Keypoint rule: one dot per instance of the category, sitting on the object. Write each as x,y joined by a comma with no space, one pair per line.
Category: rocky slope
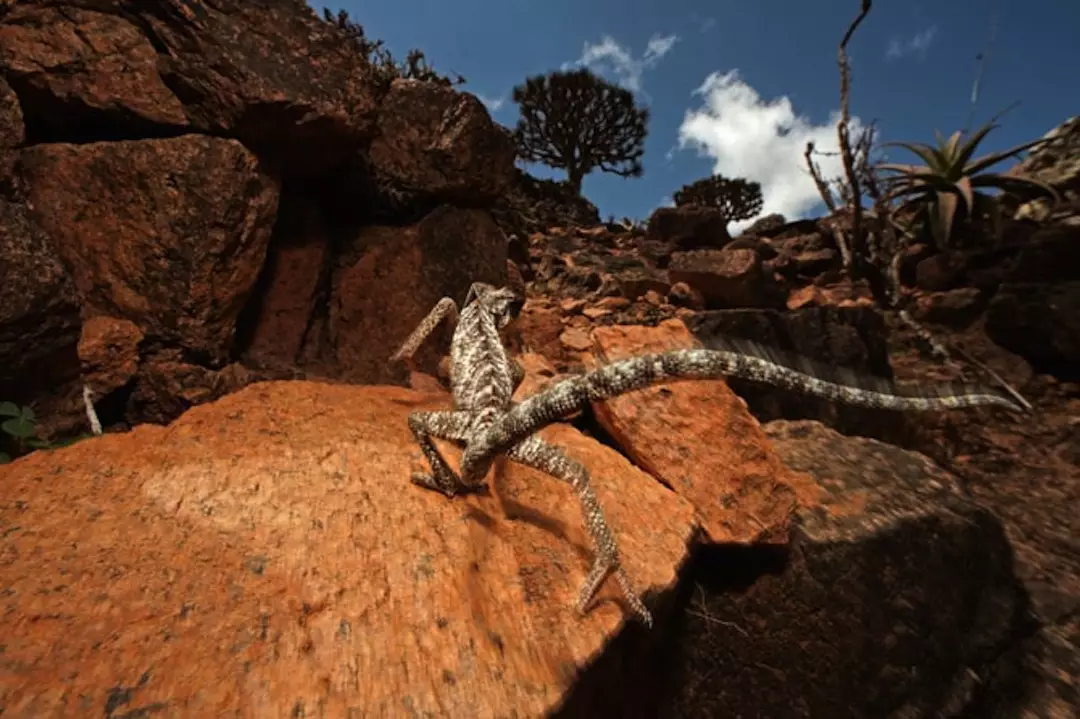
206,206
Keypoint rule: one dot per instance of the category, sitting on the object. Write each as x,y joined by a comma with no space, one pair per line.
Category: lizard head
503,303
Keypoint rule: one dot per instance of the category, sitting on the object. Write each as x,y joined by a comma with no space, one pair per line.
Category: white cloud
493,103
608,56
916,45
760,140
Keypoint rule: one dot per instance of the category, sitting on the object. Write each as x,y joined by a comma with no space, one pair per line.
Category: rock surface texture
207,205
231,178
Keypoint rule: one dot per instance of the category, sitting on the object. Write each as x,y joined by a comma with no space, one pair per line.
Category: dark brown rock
726,278
896,598
953,308
12,132
835,338
440,143
766,225
940,272
635,282
689,227
910,257
268,72
1051,254
39,311
683,295
296,267
166,386
532,205
169,234
390,277
1039,322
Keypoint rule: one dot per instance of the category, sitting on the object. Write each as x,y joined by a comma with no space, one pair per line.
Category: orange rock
266,555
699,439
539,373
576,339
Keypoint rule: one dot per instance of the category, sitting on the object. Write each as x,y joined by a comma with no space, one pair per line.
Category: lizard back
480,374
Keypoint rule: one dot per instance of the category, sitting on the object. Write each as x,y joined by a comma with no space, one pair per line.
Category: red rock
699,439
169,234
12,132
440,142
266,555
109,351
39,311
101,61
166,386
294,267
276,76
539,327
389,278
728,278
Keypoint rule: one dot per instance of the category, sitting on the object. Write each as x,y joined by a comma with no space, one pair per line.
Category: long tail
569,395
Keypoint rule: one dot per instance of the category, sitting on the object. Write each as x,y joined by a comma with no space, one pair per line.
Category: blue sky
737,87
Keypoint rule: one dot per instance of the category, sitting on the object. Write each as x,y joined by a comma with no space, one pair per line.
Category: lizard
485,419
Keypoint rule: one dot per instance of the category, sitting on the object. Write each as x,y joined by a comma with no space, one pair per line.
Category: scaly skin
489,424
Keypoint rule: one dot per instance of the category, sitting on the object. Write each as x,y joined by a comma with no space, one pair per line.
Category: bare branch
843,129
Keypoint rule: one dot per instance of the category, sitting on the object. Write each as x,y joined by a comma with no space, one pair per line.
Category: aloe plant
946,187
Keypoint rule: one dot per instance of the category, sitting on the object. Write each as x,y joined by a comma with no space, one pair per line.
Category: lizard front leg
444,309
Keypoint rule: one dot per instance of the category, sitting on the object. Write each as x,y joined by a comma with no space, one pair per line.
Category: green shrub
18,433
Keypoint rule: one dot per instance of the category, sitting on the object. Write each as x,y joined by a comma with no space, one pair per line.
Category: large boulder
169,234
267,72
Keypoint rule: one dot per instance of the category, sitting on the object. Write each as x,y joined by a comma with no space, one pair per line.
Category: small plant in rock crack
19,428
18,433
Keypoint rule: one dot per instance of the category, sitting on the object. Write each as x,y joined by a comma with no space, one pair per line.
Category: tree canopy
737,198
577,121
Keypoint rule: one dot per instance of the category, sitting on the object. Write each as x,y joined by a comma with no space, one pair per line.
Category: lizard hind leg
450,425
538,454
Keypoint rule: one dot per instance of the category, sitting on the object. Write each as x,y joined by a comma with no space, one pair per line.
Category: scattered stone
726,278
576,339
683,295
689,227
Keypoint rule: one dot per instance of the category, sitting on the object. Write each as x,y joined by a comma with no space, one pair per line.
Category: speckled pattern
484,418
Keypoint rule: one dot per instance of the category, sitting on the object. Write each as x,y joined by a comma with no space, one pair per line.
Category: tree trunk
574,178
